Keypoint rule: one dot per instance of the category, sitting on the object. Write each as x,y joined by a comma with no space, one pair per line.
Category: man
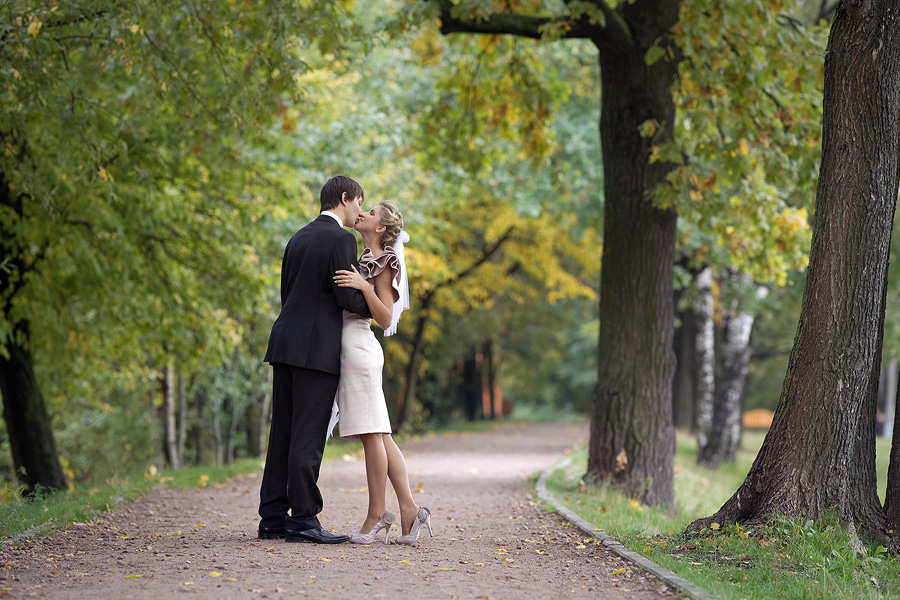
305,353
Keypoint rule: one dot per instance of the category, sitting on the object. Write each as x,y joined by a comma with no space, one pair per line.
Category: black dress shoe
316,535
271,533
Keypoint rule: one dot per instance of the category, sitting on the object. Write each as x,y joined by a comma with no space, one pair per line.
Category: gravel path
491,539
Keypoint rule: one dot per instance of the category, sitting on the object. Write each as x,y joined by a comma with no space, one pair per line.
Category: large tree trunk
704,359
819,455
632,438
28,424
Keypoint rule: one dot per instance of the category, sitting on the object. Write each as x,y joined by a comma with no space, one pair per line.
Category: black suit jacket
307,333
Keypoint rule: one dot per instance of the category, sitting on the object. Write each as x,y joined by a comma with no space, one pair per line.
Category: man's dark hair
334,188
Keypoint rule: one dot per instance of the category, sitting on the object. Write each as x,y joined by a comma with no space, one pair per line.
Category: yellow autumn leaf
214,574
714,526
618,571
323,558
187,583
134,576
34,28
443,569
203,480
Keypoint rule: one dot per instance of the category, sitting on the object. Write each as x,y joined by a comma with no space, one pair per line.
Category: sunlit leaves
749,100
139,137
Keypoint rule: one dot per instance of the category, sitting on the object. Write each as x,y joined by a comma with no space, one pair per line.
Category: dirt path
491,540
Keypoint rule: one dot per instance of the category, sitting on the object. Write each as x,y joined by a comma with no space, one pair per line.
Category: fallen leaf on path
187,583
133,576
444,569
323,558
619,571
214,574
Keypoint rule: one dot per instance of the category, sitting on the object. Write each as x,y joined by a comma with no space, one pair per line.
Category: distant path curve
492,540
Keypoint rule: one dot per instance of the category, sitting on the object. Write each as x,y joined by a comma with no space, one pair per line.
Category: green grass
786,559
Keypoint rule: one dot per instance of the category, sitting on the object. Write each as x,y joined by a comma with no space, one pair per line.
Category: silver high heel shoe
385,522
424,517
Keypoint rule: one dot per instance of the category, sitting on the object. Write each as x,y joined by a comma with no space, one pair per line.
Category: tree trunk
704,359
196,434
182,414
890,399
734,357
892,493
169,423
265,417
471,388
683,385
217,432
632,440
28,424
819,455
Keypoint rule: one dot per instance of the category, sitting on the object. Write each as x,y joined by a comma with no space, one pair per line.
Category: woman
363,411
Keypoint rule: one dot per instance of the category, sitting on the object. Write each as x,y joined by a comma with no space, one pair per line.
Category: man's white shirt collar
333,216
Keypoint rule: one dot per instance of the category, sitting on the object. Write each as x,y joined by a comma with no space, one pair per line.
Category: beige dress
360,396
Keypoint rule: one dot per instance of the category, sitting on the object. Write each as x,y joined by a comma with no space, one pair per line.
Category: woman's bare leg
376,478
396,471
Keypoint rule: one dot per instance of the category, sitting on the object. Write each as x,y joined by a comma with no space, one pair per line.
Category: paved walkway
492,539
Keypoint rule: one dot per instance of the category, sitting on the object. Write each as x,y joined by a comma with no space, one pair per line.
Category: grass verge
786,559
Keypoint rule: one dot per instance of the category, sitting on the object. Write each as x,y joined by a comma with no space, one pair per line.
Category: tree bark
704,359
170,430
733,357
28,424
182,414
683,386
632,440
819,455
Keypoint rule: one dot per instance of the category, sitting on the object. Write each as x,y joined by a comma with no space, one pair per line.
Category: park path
492,539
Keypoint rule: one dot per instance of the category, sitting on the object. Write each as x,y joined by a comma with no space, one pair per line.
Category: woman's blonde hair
392,221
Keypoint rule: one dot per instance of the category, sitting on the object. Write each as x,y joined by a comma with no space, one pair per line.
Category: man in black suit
305,353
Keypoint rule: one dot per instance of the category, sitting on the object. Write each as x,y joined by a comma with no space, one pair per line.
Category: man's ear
344,199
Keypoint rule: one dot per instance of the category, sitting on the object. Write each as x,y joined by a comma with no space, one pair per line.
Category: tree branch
614,30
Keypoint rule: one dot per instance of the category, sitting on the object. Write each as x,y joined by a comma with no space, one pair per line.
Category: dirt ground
492,540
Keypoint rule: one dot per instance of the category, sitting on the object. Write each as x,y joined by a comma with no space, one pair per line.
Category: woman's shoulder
373,265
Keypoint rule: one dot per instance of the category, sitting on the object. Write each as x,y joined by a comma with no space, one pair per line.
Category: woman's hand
350,279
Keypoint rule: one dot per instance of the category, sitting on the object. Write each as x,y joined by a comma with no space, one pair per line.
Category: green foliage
148,206
749,101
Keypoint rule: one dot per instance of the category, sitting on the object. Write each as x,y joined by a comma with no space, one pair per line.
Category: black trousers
301,408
